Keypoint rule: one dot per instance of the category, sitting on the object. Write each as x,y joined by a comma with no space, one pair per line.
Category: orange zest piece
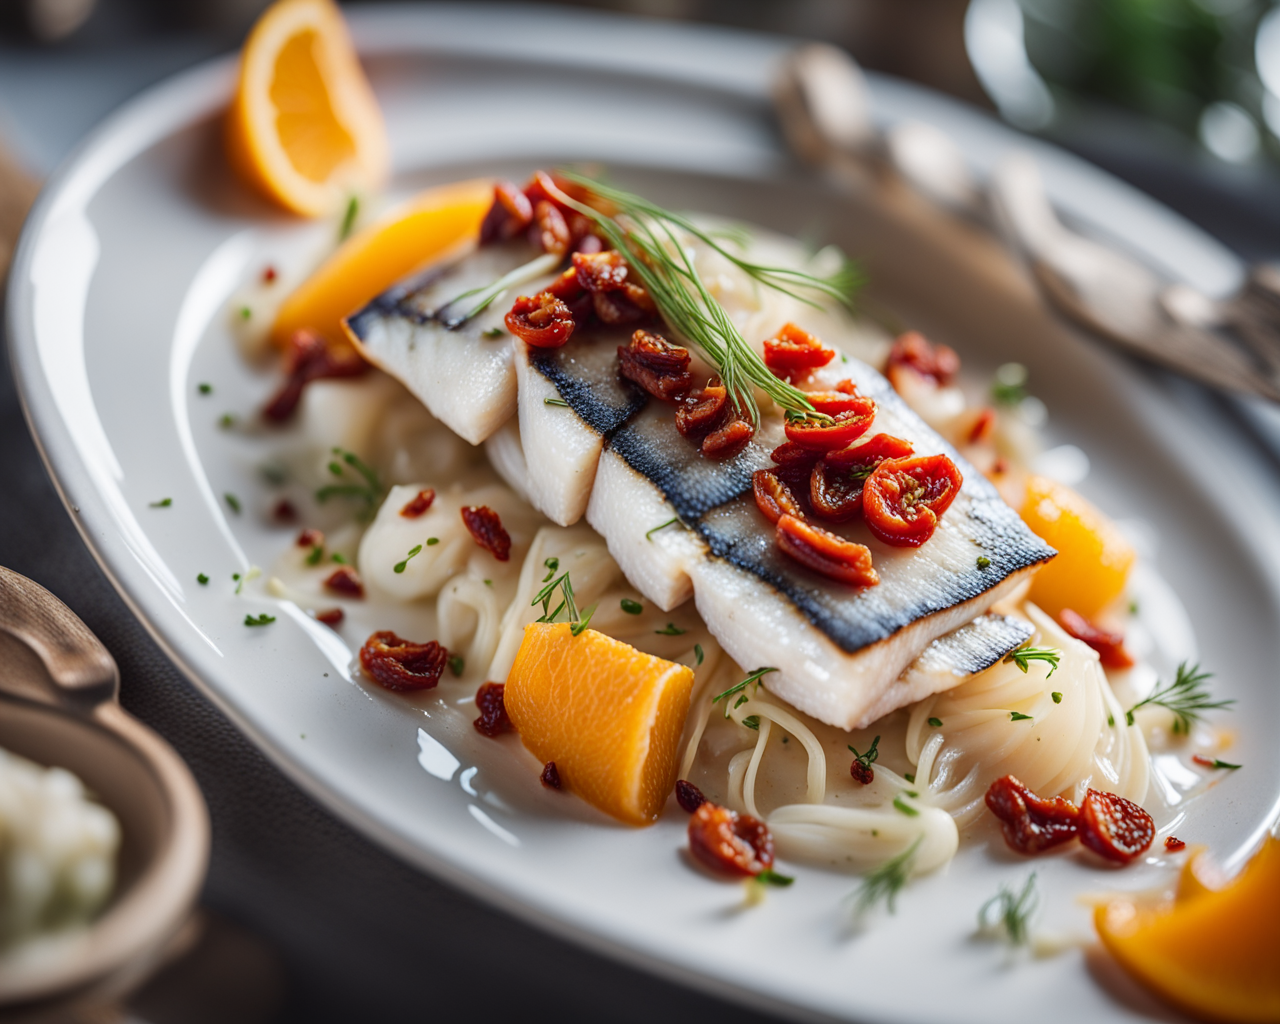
369,262
1093,560
1213,954
608,715
304,127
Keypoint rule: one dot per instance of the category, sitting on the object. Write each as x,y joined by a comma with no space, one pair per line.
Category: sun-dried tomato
689,796
309,357
616,296
903,499
493,720
658,366
567,288
419,503
402,664
542,321
912,350
837,479
727,441
773,497
1031,824
550,775
1115,828
1110,646
485,527
825,553
331,617
509,215
310,539
549,230
840,432
793,349
844,398
284,512
794,464
703,411
345,581
730,843
1174,844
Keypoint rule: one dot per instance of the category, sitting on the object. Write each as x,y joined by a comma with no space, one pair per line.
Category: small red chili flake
832,435
284,511
509,215
1173,844
1115,828
793,349
402,664
493,720
659,367
984,425
703,411
862,772
730,843
549,230
310,539
1110,646
331,617
309,358
1030,823
773,496
837,480
903,499
825,553
543,321
550,776
485,528
727,441
689,796
913,351
1204,762
419,504
268,274
345,581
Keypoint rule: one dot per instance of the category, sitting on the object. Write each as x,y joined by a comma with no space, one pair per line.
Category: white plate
118,307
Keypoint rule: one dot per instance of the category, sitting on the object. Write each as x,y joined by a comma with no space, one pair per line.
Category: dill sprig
886,881
1009,912
1186,697
577,621
754,677
870,756
1023,657
647,235
368,488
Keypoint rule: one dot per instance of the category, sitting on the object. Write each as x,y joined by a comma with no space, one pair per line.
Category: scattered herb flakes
1018,716
935,723
226,421
363,484
671,630
1111,721
1133,607
661,526
245,312
162,503
274,473
697,655
770,877
205,389
752,722
754,677
886,881
905,808
1008,913
339,558
1186,697
1056,696
983,562
432,541
457,664
1023,657
202,579
909,777
349,218
232,501
494,332
399,567
631,607
489,583
868,757
317,553
552,565
259,620
577,621
559,403
1010,384
1215,763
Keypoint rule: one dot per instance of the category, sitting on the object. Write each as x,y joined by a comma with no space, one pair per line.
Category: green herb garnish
457,664
1009,912
205,389
1010,384
432,541
1186,697
631,607
983,562
226,421
1018,716
1056,696
338,557
202,579
245,312
317,553
577,622
551,565
886,881
259,620
770,877
1216,763
754,677
871,756
494,332
671,630
1023,656
697,655
401,566
232,501
558,402
661,526
349,218
368,488
905,808
935,723
162,503
752,722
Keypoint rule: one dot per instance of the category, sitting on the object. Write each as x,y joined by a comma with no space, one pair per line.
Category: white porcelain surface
118,307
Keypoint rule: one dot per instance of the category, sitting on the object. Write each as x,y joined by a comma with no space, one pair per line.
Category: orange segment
1093,558
372,260
1214,955
304,127
609,716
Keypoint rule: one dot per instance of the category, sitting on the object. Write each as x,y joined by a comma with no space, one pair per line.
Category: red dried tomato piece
402,664
844,398
1173,844
831,435
310,539
345,581
543,321
793,349
284,512
837,479
703,411
727,441
825,553
550,775
903,499
773,497
510,213
419,503
1110,646
309,357
1030,823
728,842
549,230
984,425
659,367
689,796
331,617
913,351
616,297
485,527
1115,828
493,720
567,287
794,464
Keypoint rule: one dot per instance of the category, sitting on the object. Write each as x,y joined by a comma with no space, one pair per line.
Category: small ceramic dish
58,688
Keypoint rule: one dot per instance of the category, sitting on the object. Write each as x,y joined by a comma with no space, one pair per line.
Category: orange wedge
372,260
609,716
1215,954
304,127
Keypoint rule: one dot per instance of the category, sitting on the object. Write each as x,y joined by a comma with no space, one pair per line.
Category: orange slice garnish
608,715
304,127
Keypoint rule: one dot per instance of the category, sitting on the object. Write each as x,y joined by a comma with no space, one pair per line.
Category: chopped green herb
661,526
671,630
1216,763
909,777
558,402
494,332
770,877
274,473
259,620
367,487
457,664
1023,656
1111,721
338,557
886,881
552,565
1186,697
349,218
205,389
871,756
1133,607
202,579
631,607
232,501
226,421
1057,697
400,567
252,573
1010,384
317,553
577,622
245,312
697,655
754,677
752,722
489,583
1008,913
905,808
162,503
935,723
983,562
432,541
742,699
1018,716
